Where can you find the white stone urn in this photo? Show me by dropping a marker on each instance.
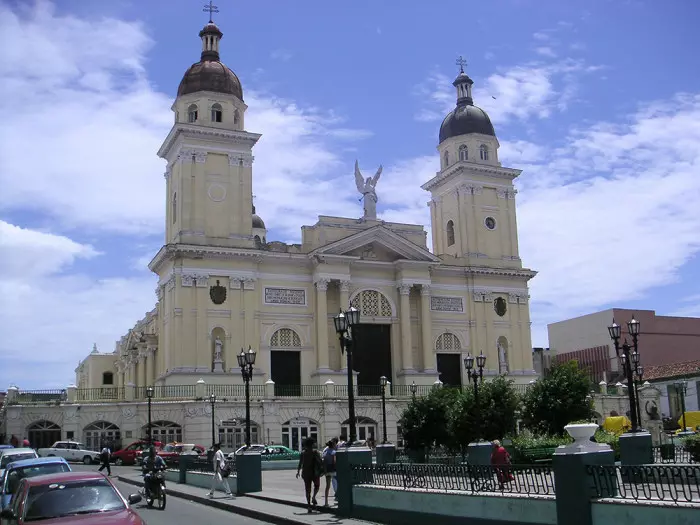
(581, 432)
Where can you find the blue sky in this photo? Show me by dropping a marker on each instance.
(598, 102)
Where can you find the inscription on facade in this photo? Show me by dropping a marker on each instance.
(446, 304)
(293, 296)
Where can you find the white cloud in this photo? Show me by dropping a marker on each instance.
(281, 54)
(545, 51)
(541, 36)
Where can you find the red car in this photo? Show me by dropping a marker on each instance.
(71, 498)
(127, 455)
(172, 451)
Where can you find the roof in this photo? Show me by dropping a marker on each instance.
(672, 370)
(66, 476)
(13, 451)
(36, 461)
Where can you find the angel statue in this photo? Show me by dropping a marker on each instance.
(366, 188)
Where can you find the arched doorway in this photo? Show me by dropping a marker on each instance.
(285, 362)
(232, 434)
(43, 434)
(366, 428)
(296, 430)
(100, 434)
(164, 431)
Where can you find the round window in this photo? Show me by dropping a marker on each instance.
(490, 223)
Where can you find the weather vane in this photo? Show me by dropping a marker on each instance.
(212, 9)
(461, 62)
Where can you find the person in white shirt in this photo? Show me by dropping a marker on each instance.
(219, 466)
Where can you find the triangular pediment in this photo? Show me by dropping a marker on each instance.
(378, 244)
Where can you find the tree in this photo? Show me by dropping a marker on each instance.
(494, 417)
(557, 399)
(424, 423)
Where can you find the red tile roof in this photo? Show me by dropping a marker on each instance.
(670, 370)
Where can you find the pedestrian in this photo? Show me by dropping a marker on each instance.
(221, 472)
(311, 466)
(105, 458)
(329, 469)
(14, 441)
(25, 443)
(500, 461)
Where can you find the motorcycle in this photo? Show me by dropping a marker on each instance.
(155, 481)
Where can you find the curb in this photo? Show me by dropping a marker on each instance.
(297, 504)
(248, 513)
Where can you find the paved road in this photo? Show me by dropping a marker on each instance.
(177, 511)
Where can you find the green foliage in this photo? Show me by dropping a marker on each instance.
(601, 436)
(424, 423)
(527, 445)
(557, 399)
(692, 445)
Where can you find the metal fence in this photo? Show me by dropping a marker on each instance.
(671, 453)
(674, 483)
(520, 479)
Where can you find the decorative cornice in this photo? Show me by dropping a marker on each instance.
(345, 286)
(249, 283)
(168, 171)
(180, 132)
(322, 284)
(404, 289)
(241, 159)
(200, 280)
(492, 171)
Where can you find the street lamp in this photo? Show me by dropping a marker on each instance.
(414, 389)
(639, 372)
(682, 389)
(149, 395)
(345, 323)
(629, 359)
(246, 360)
(472, 374)
(212, 400)
(383, 381)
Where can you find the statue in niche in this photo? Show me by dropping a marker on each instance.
(366, 188)
(502, 359)
(218, 355)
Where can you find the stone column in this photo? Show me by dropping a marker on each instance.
(322, 357)
(345, 294)
(120, 374)
(142, 370)
(150, 368)
(406, 349)
(427, 330)
(249, 303)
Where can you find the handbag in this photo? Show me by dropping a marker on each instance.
(226, 470)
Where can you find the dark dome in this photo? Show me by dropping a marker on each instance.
(210, 75)
(258, 222)
(465, 119)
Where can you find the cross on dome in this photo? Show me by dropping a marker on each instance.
(461, 62)
(212, 9)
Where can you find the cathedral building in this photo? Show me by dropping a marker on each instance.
(224, 286)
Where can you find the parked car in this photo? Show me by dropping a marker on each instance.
(70, 451)
(273, 452)
(6, 446)
(27, 468)
(252, 448)
(9, 455)
(172, 451)
(69, 498)
(127, 455)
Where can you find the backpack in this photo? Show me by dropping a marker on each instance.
(328, 463)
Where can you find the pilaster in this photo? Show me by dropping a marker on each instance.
(322, 353)
(250, 302)
(406, 348)
(429, 364)
(344, 287)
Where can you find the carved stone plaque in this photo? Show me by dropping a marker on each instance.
(446, 304)
(293, 296)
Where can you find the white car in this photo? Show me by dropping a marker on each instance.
(252, 448)
(70, 451)
(8, 455)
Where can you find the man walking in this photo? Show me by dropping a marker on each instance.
(219, 474)
(105, 457)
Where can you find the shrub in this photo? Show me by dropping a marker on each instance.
(601, 436)
(692, 445)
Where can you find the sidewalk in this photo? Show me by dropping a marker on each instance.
(276, 504)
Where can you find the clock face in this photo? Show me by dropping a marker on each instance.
(500, 306)
(490, 223)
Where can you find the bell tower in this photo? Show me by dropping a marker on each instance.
(209, 173)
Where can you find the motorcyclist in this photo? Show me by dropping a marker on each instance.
(152, 463)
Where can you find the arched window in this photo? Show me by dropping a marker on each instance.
(447, 342)
(450, 233)
(216, 113)
(285, 338)
(192, 113)
(102, 433)
(164, 431)
(43, 434)
(174, 210)
(107, 378)
(366, 428)
(371, 303)
(446, 158)
(236, 117)
(463, 152)
(232, 434)
(484, 152)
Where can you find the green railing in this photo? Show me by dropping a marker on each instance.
(99, 394)
(37, 397)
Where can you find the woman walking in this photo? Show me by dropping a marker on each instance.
(310, 466)
(329, 467)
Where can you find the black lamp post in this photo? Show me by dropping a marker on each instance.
(682, 390)
(629, 359)
(383, 381)
(639, 375)
(345, 322)
(473, 375)
(149, 395)
(246, 360)
(212, 400)
(414, 389)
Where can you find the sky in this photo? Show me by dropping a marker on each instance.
(598, 102)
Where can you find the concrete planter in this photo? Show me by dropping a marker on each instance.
(581, 432)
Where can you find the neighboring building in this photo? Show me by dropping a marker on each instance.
(541, 361)
(666, 378)
(224, 286)
(662, 340)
